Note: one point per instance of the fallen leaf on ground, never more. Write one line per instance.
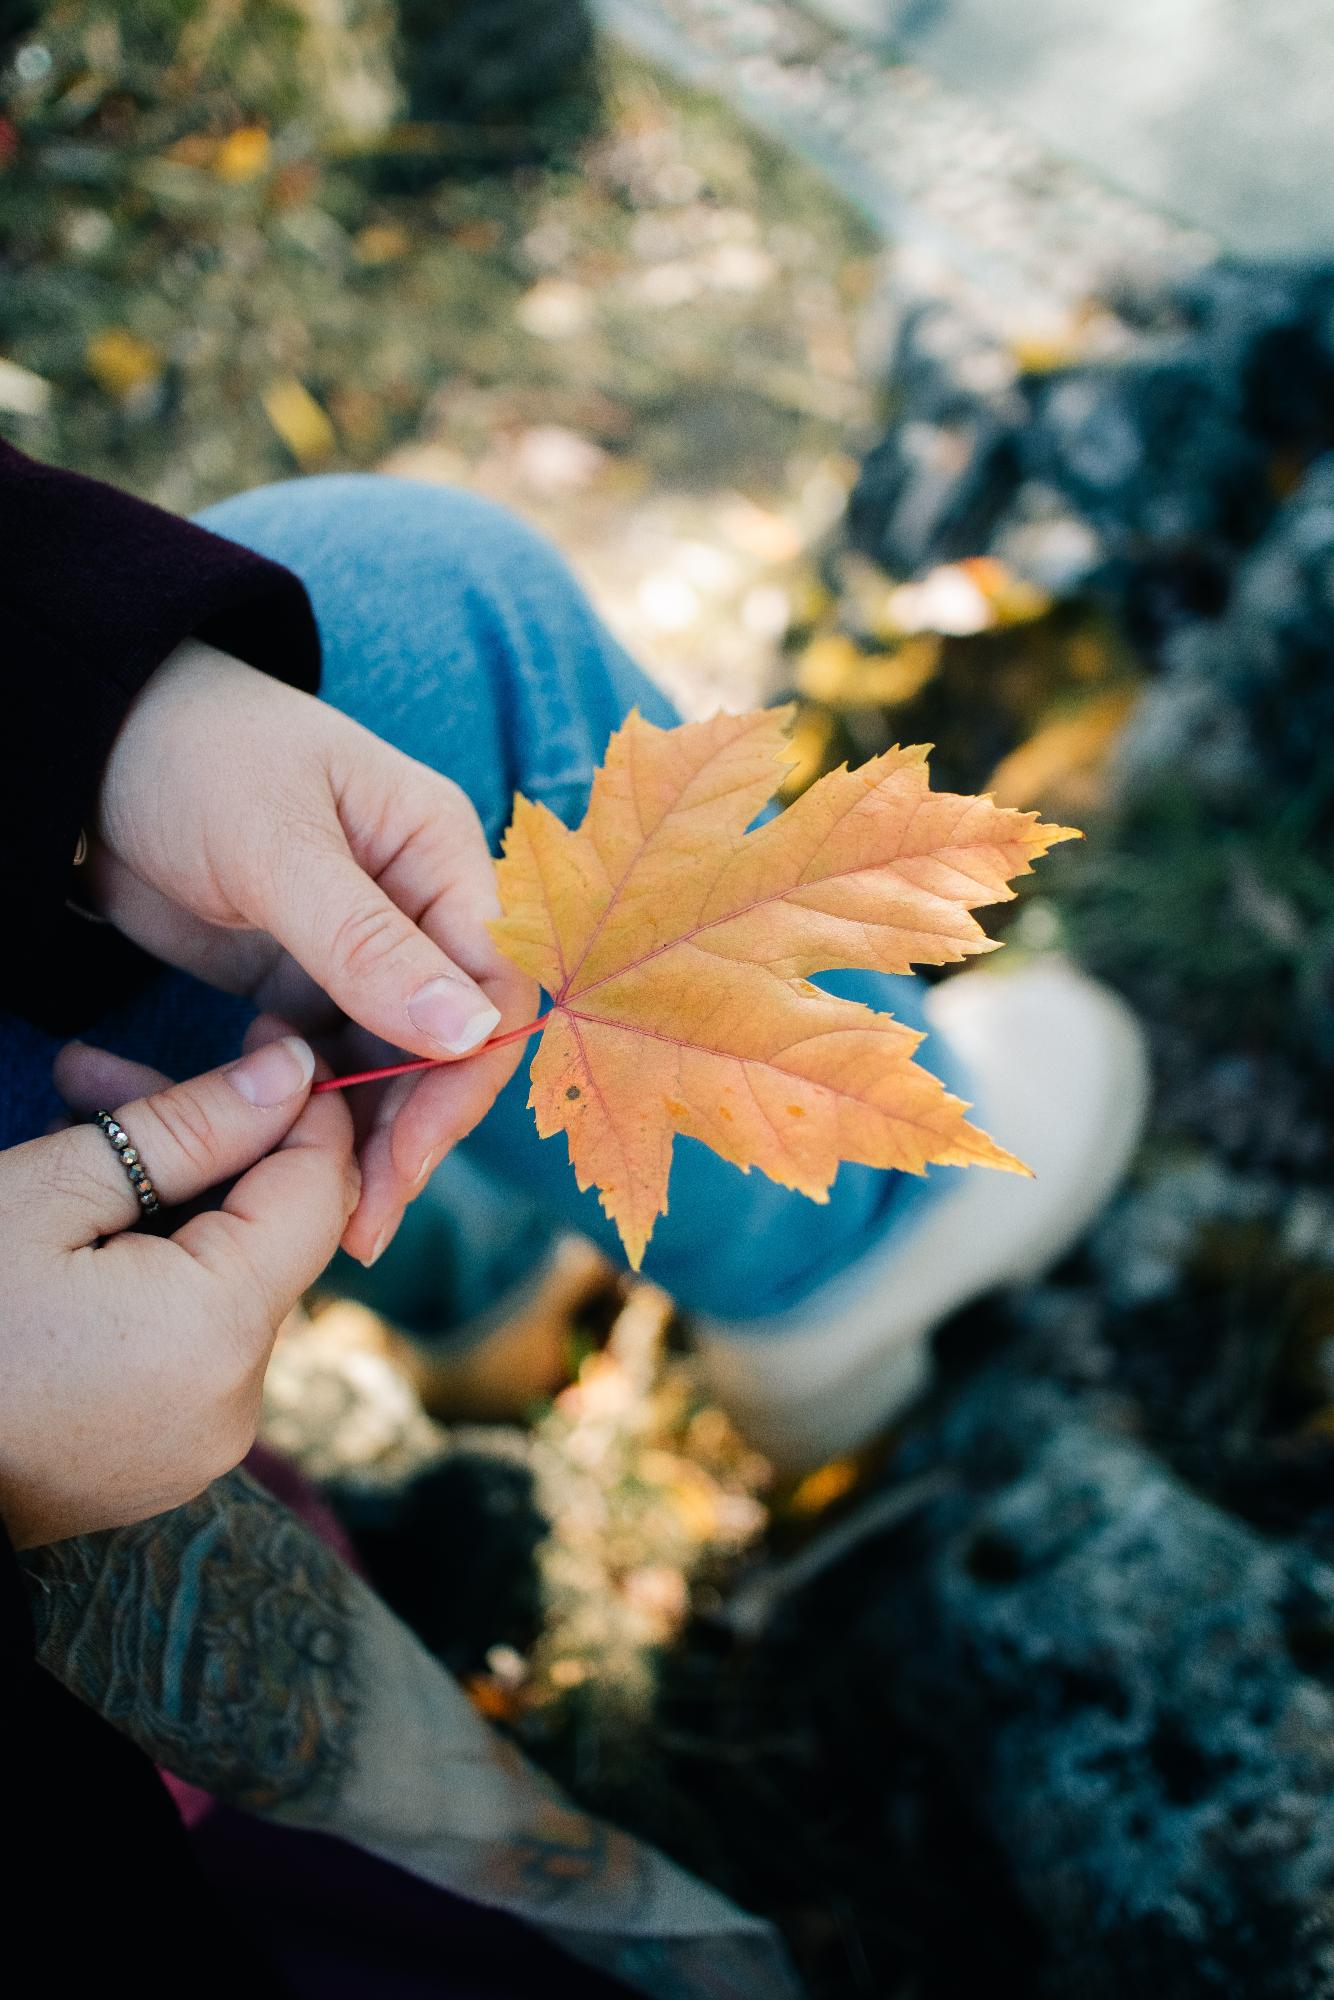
(243, 154)
(1062, 761)
(961, 599)
(120, 362)
(835, 670)
(301, 423)
(676, 948)
(808, 752)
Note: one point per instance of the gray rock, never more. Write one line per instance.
(1134, 1691)
(1247, 700)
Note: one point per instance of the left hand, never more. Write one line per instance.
(133, 1363)
(252, 835)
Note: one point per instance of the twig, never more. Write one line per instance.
(755, 1600)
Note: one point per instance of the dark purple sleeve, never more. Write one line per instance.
(96, 589)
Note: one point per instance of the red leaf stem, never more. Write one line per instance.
(429, 1062)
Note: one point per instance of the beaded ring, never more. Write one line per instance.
(144, 1191)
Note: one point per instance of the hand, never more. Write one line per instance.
(131, 1368)
(254, 836)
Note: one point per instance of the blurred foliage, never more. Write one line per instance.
(162, 67)
(207, 282)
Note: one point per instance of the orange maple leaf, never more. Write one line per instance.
(675, 946)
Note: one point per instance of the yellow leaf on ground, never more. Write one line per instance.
(1013, 599)
(300, 422)
(243, 154)
(381, 243)
(491, 1699)
(1063, 759)
(677, 949)
(835, 670)
(962, 599)
(120, 362)
(808, 750)
(823, 1487)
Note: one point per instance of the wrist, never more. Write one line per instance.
(159, 739)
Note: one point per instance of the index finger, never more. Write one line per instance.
(431, 858)
(418, 835)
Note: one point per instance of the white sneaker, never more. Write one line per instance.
(1061, 1076)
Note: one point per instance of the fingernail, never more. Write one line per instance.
(271, 1075)
(452, 1013)
(382, 1242)
(426, 1169)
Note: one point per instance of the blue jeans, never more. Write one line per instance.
(454, 632)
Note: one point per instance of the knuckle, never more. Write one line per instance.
(309, 832)
(188, 1127)
(452, 808)
(366, 939)
(444, 794)
(440, 812)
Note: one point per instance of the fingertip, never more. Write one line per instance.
(379, 1201)
(265, 1028)
(382, 1242)
(325, 1120)
(72, 1056)
(89, 1078)
(453, 1013)
(67, 1063)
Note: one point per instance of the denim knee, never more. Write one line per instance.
(453, 629)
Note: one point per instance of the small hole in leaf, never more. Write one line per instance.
(574, 1091)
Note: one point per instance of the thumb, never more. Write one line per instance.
(377, 966)
(186, 1138)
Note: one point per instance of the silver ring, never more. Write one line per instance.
(128, 1155)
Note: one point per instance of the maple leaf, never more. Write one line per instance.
(677, 946)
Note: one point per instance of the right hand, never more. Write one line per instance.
(131, 1365)
(252, 835)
